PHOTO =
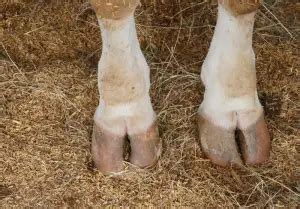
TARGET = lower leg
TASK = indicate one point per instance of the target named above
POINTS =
(125, 107)
(230, 99)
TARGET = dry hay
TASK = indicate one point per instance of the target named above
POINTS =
(49, 52)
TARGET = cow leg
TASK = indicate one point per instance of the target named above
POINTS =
(230, 99)
(123, 77)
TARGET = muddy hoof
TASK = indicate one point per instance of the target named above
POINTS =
(145, 148)
(107, 151)
(255, 143)
(218, 144)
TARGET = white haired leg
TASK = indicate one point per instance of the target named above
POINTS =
(125, 107)
(230, 99)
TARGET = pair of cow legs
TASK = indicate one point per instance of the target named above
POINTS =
(230, 100)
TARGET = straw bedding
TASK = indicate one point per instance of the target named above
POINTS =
(48, 93)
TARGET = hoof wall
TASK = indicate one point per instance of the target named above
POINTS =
(145, 148)
(220, 146)
(107, 151)
(255, 143)
(218, 143)
(108, 148)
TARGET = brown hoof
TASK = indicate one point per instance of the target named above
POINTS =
(255, 143)
(145, 148)
(218, 144)
(107, 151)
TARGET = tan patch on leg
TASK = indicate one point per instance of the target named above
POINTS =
(240, 80)
(114, 9)
(218, 143)
(120, 86)
(240, 7)
(145, 147)
(255, 142)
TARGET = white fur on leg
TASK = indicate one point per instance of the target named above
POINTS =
(228, 72)
(123, 77)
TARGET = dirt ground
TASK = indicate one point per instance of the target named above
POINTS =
(48, 93)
